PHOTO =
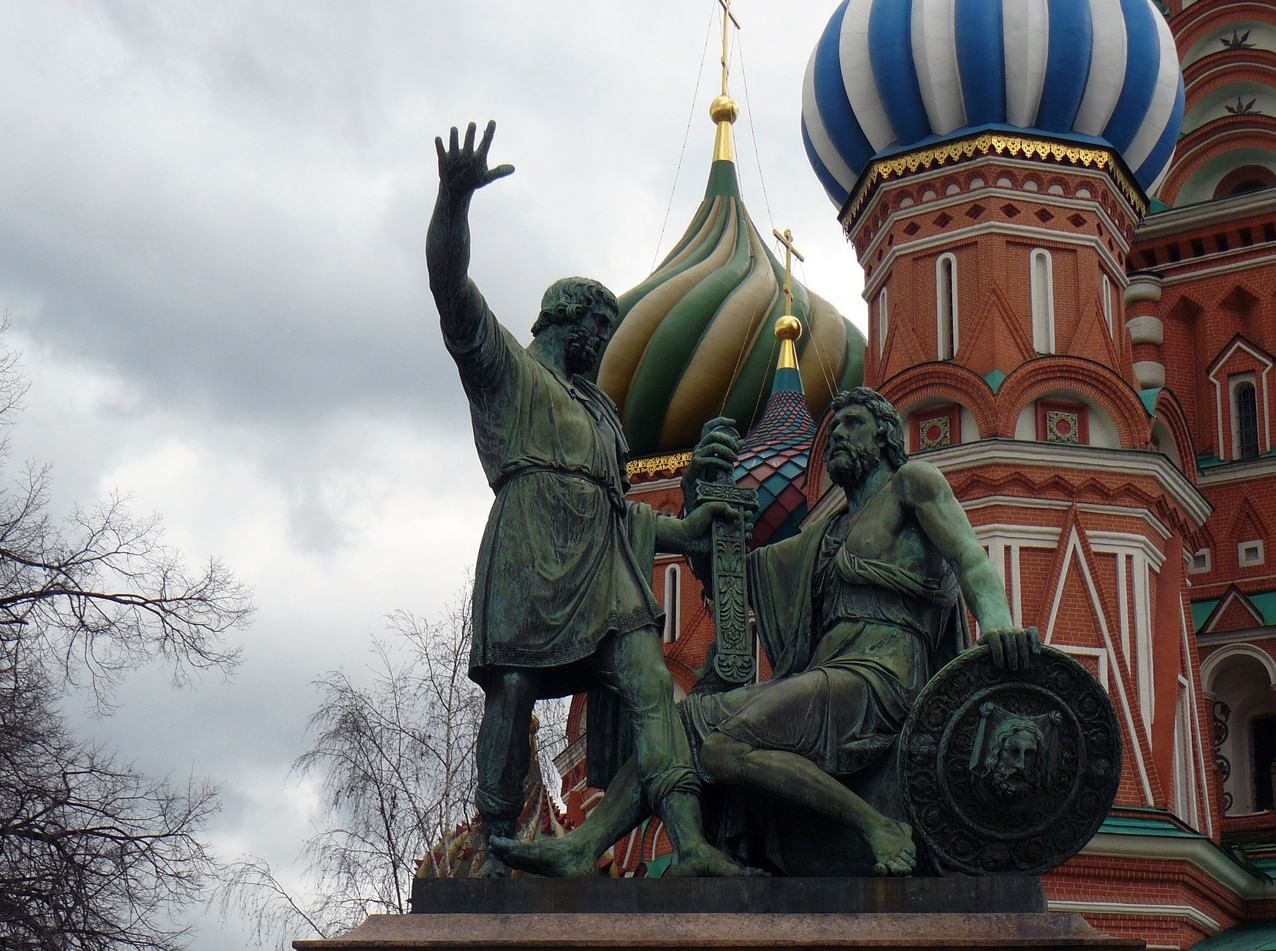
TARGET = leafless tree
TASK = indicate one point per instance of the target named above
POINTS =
(93, 854)
(395, 762)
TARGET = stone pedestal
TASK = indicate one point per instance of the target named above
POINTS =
(725, 915)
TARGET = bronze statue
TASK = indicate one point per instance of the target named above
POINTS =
(562, 601)
(856, 612)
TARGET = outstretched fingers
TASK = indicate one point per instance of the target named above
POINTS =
(486, 142)
(469, 138)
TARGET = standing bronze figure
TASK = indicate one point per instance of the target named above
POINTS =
(562, 601)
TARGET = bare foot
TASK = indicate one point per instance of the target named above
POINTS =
(708, 862)
(893, 848)
(556, 858)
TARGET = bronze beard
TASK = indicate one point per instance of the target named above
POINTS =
(850, 465)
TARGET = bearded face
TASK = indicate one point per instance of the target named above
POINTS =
(850, 464)
(583, 343)
(1012, 762)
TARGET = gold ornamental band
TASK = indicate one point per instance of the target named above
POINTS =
(998, 144)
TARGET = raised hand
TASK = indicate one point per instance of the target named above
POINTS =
(462, 167)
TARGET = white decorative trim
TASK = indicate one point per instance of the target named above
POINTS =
(912, 249)
(1074, 548)
(1228, 599)
(1149, 373)
(1020, 454)
(1041, 282)
(1228, 210)
(1206, 564)
(1236, 267)
(1238, 471)
(1146, 329)
(883, 321)
(990, 501)
(946, 325)
(1202, 774)
(1098, 653)
(1198, 918)
(1201, 853)
(1129, 543)
(1211, 663)
(1250, 553)
(1031, 536)
(1091, 205)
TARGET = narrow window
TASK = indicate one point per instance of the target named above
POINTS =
(1042, 302)
(883, 322)
(946, 309)
(1246, 408)
(673, 584)
(1107, 303)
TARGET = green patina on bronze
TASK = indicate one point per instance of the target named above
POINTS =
(562, 601)
(856, 613)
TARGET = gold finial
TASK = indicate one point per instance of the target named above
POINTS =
(788, 330)
(724, 109)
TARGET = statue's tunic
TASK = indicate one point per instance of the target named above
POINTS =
(559, 564)
(852, 640)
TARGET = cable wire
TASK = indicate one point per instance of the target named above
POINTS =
(685, 136)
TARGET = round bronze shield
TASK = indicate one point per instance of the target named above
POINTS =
(1009, 772)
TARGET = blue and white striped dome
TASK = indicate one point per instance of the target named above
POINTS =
(892, 75)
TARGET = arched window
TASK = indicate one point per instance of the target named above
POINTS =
(1245, 406)
(1107, 303)
(883, 322)
(1042, 301)
(673, 586)
(946, 306)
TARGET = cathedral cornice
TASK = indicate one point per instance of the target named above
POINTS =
(1088, 460)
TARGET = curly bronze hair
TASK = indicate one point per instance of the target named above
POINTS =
(888, 420)
(571, 298)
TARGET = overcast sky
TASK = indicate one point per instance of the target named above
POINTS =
(211, 253)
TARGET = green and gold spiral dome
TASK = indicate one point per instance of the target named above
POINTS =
(696, 339)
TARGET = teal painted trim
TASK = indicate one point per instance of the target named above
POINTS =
(787, 380)
(1201, 611)
(722, 181)
(1265, 602)
(1125, 825)
(1156, 206)
(657, 867)
(1260, 937)
(994, 379)
(1149, 399)
(1207, 460)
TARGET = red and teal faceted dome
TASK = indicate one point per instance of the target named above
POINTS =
(774, 460)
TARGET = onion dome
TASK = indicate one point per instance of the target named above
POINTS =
(694, 339)
(889, 76)
(775, 454)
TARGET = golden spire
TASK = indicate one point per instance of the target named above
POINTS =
(788, 329)
(724, 109)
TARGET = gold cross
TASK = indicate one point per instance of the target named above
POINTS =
(790, 252)
(727, 19)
